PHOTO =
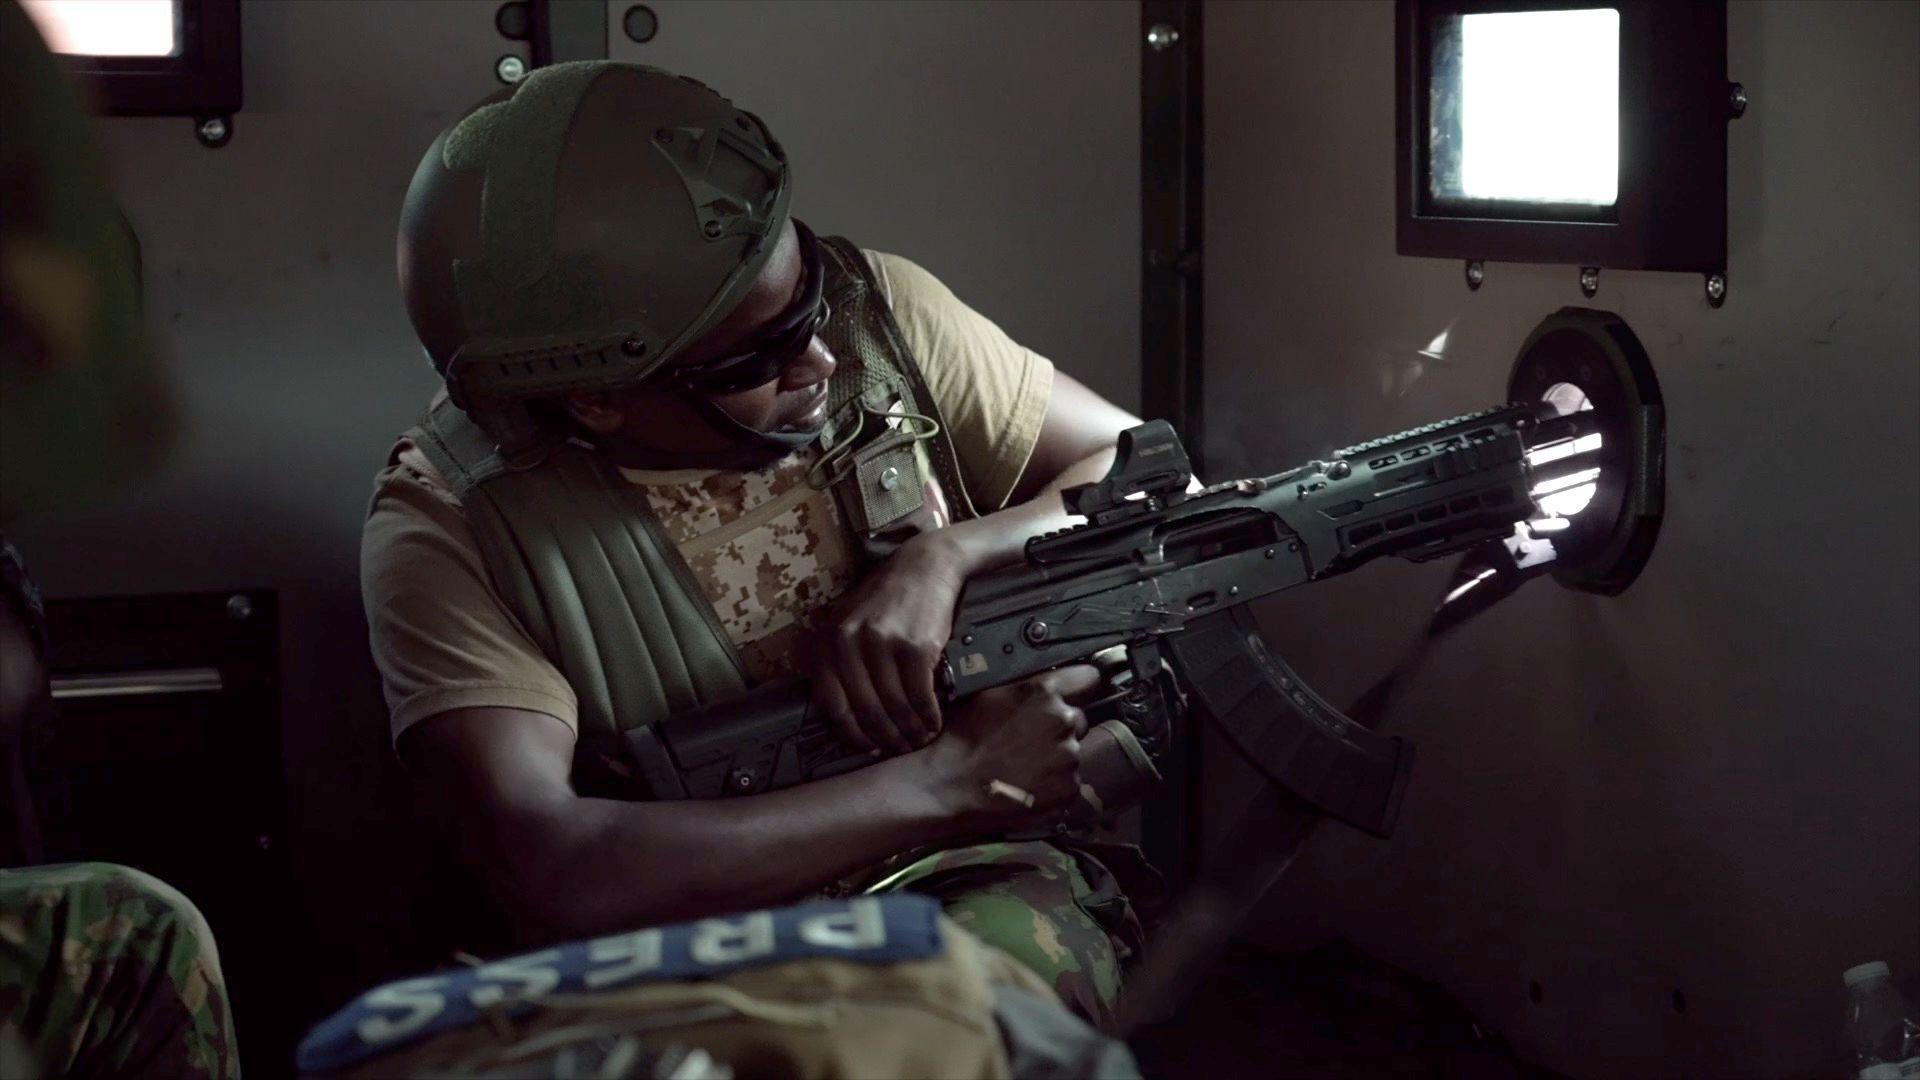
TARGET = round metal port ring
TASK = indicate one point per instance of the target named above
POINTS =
(1609, 542)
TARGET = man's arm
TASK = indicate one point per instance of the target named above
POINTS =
(1075, 447)
(566, 866)
(876, 671)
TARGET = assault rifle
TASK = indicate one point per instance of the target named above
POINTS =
(1166, 575)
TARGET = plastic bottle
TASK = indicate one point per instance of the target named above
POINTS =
(1883, 1027)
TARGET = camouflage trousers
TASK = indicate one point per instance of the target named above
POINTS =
(104, 971)
(1057, 909)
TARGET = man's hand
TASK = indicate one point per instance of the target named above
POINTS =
(873, 668)
(874, 664)
(1013, 743)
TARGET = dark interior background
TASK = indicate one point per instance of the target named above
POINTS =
(1710, 784)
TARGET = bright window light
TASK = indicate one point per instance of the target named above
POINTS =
(107, 27)
(1536, 100)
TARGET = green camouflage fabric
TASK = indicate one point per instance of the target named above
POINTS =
(1056, 908)
(106, 971)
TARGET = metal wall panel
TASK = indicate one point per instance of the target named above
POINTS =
(1708, 785)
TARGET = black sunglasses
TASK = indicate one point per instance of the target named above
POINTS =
(763, 357)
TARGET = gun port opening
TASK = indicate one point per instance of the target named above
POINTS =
(1595, 452)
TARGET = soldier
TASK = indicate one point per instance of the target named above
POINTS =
(686, 445)
(104, 970)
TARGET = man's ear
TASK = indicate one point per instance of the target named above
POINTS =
(596, 411)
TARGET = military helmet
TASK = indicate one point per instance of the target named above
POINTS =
(579, 229)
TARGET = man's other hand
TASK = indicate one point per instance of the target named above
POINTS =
(1013, 743)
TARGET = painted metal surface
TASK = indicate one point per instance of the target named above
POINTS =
(1681, 812)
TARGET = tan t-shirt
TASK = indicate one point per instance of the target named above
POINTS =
(770, 551)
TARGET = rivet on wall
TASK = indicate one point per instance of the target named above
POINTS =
(514, 21)
(1716, 285)
(214, 132)
(640, 23)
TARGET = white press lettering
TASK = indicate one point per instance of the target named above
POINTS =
(724, 941)
(631, 955)
(420, 998)
(528, 975)
(859, 927)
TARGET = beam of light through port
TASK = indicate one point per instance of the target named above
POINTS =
(1555, 451)
(1565, 504)
(1567, 399)
(1561, 483)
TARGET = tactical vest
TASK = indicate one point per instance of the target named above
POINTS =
(579, 556)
